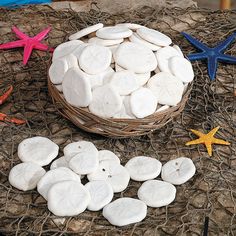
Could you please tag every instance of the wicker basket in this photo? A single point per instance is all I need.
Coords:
(115, 128)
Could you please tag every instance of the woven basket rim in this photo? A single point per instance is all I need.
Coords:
(114, 127)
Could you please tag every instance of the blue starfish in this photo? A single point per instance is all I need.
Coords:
(212, 55)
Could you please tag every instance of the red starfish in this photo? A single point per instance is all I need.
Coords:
(29, 43)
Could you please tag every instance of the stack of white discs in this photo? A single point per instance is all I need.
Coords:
(122, 71)
(65, 194)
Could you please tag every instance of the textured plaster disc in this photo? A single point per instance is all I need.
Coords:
(39, 150)
(125, 211)
(25, 176)
(101, 194)
(143, 168)
(156, 193)
(68, 198)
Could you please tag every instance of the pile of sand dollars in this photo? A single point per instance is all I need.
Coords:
(123, 71)
(61, 186)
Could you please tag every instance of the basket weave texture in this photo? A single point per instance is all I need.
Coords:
(115, 128)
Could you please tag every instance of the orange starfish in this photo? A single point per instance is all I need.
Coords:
(207, 139)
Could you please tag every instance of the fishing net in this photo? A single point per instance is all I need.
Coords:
(211, 192)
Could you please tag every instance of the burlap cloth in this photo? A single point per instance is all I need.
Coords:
(212, 191)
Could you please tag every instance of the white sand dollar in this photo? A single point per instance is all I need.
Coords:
(128, 110)
(178, 171)
(102, 171)
(68, 198)
(163, 55)
(60, 162)
(71, 60)
(156, 193)
(122, 114)
(84, 163)
(167, 88)
(65, 48)
(113, 50)
(132, 26)
(104, 155)
(101, 194)
(181, 68)
(77, 52)
(60, 66)
(25, 176)
(143, 78)
(105, 42)
(135, 38)
(135, 57)
(86, 31)
(114, 173)
(55, 176)
(95, 59)
(39, 150)
(98, 79)
(163, 108)
(57, 70)
(125, 211)
(113, 32)
(142, 168)
(118, 178)
(106, 101)
(154, 36)
(76, 88)
(124, 82)
(176, 47)
(72, 149)
(143, 102)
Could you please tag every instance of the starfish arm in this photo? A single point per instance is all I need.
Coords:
(198, 133)
(5, 96)
(227, 59)
(27, 52)
(222, 46)
(42, 34)
(41, 47)
(196, 56)
(19, 34)
(212, 67)
(220, 141)
(195, 141)
(209, 148)
(15, 44)
(213, 131)
(195, 42)
(2, 116)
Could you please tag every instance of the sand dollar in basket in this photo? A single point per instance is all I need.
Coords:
(119, 81)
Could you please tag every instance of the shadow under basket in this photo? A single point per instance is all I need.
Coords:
(115, 128)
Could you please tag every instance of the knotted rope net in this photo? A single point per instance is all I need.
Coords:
(211, 192)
